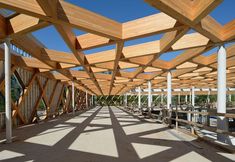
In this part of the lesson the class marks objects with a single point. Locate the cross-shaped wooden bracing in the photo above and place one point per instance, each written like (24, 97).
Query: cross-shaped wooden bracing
(116, 71)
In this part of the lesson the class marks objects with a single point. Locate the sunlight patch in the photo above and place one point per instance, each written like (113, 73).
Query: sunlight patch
(126, 123)
(192, 157)
(5, 154)
(100, 142)
(77, 119)
(51, 136)
(102, 121)
(128, 119)
(92, 128)
(133, 129)
(163, 135)
(227, 155)
(145, 150)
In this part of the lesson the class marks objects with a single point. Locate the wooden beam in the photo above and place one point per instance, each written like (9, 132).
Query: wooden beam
(192, 15)
(70, 39)
(29, 44)
(69, 15)
(38, 100)
(3, 27)
(51, 99)
(23, 24)
(59, 99)
(119, 48)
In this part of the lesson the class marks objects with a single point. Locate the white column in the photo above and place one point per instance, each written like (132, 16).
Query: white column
(92, 102)
(139, 98)
(168, 90)
(86, 100)
(178, 98)
(193, 104)
(73, 105)
(222, 122)
(208, 96)
(8, 91)
(193, 96)
(190, 96)
(186, 98)
(189, 114)
(149, 94)
(162, 98)
(229, 97)
(125, 100)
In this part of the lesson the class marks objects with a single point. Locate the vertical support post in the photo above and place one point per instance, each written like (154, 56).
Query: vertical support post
(229, 97)
(86, 100)
(73, 103)
(222, 122)
(193, 104)
(168, 90)
(186, 98)
(149, 94)
(162, 98)
(189, 114)
(190, 96)
(139, 98)
(92, 100)
(176, 117)
(8, 91)
(193, 96)
(178, 98)
(149, 97)
(208, 96)
(125, 100)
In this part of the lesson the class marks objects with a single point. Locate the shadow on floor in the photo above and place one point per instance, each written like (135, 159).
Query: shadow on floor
(106, 134)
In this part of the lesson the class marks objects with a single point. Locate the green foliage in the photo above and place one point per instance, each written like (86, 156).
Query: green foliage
(16, 92)
(16, 89)
(42, 105)
(109, 100)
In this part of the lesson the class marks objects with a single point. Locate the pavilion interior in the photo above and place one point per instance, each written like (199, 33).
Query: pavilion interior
(77, 83)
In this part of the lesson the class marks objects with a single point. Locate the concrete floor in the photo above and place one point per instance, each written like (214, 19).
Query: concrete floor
(106, 134)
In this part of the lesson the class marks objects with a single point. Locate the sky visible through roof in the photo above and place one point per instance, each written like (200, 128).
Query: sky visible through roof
(123, 11)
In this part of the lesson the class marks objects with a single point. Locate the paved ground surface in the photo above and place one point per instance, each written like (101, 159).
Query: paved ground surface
(106, 134)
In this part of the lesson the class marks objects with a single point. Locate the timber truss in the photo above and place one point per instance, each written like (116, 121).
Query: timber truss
(116, 71)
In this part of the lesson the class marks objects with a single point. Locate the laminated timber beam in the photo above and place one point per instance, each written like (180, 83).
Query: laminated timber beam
(195, 15)
(69, 37)
(129, 52)
(142, 27)
(42, 90)
(30, 45)
(15, 111)
(116, 68)
(51, 99)
(68, 15)
(165, 44)
(175, 20)
(18, 25)
(190, 55)
(3, 27)
(60, 99)
(50, 9)
(22, 24)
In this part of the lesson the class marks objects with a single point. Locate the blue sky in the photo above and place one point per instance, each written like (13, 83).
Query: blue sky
(122, 11)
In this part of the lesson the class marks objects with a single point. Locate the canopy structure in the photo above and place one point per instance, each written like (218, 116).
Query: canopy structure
(185, 26)
(116, 82)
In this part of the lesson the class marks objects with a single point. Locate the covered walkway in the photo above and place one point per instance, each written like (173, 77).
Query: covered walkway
(106, 134)
(124, 80)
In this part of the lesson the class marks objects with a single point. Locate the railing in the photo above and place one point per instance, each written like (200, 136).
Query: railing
(202, 126)
(187, 115)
